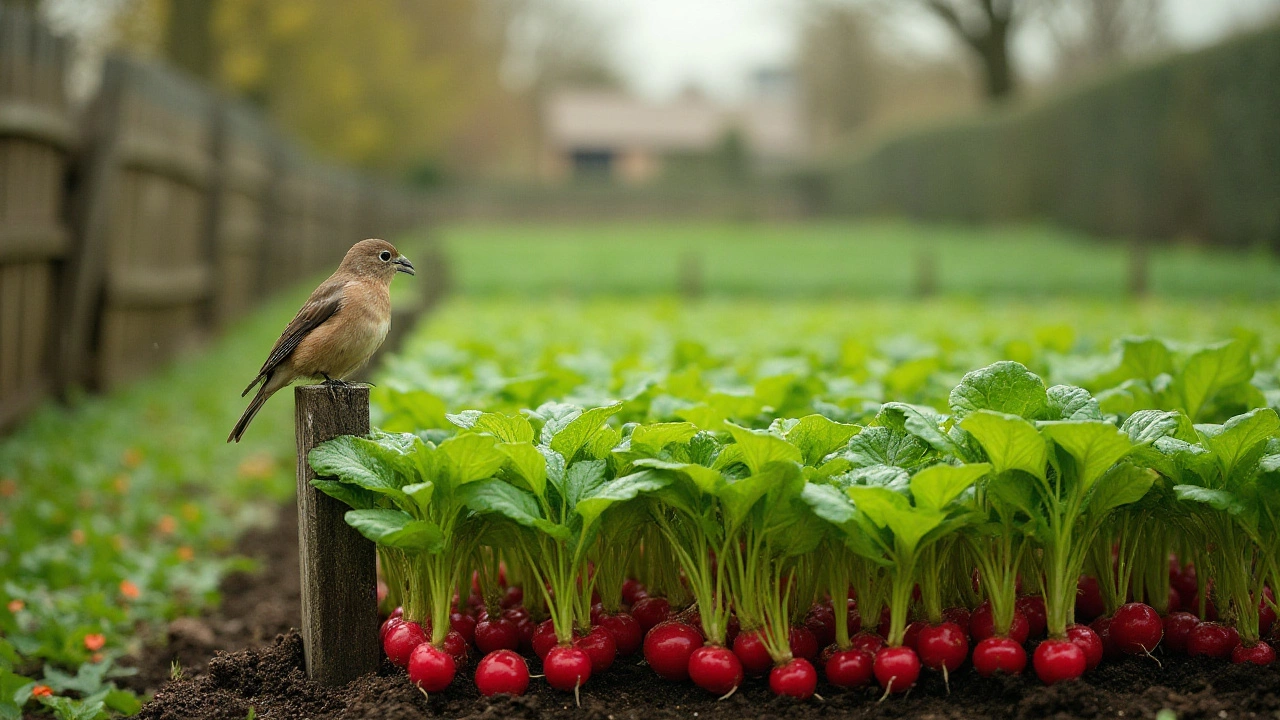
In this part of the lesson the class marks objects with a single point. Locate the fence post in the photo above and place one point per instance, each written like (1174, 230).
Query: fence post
(339, 577)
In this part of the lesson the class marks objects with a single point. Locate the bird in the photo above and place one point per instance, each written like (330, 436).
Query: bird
(337, 330)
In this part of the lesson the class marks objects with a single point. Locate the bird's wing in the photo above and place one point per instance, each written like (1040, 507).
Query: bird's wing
(323, 304)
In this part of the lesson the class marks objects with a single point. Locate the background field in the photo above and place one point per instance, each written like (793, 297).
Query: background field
(856, 259)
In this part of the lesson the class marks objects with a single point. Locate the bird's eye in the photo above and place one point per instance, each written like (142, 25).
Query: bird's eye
(384, 256)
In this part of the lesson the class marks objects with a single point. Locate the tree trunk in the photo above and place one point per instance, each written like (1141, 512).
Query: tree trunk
(993, 50)
(189, 41)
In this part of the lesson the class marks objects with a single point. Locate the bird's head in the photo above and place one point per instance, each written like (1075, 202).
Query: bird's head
(376, 258)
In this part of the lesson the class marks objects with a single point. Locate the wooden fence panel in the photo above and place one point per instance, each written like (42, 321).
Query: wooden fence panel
(241, 200)
(143, 274)
(36, 136)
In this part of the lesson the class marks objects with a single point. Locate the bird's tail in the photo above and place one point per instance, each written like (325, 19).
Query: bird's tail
(254, 406)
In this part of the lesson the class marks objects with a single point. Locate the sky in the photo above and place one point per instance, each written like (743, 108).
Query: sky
(663, 46)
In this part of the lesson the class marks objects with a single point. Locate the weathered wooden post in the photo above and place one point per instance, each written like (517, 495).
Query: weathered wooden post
(339, 575)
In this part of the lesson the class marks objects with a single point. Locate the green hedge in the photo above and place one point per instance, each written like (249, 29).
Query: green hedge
(1189, 146)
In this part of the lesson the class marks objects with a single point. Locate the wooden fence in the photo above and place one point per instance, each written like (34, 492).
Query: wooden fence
(139, 226)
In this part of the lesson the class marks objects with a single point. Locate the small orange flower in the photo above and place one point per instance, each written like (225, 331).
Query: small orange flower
(120, 483)
(131, 458)
(166, 525)
(8, 487)
(77, 537)
(16, 605)
(129, 590)
(40, 691)
(186, 554)
(94, 642)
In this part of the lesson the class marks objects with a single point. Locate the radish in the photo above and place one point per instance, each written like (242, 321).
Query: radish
(1136, 629)
(999, 654)
(526, 629)
(502, 671)
(1177, 628)
(401, 641)
(1259, 653)
(716, 669)
(1058, 660)
(958, 615)
(1032, 608)
(431, 668)
(516, 614)
(668, 647)
(512, 597)
(795, 678)
(456, 646)
(912, 633)
(821, 621)
(1089, 604)
(982, 624)
(650, 611)
(1102, 628)
(849, 668)
(1089, 642)
(1266, 613)
(387, 624)
(567, 668)
(600, 647)
(626, 632)
(750, 649)
(868, 641)
(897, 668)
(942, 646)
(632, 591)
(464, 625)
(1212, 639)
(493, 634)
(803, 643)
(544, 638)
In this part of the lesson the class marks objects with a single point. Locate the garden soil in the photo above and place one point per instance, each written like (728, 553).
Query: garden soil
(246, 658)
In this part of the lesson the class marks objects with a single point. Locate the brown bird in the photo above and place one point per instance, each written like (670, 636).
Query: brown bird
(339, 328)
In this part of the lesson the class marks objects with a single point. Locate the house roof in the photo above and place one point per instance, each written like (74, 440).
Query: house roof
(592, 119)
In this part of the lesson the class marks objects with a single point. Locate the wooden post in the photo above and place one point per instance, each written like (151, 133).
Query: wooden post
(339, 576)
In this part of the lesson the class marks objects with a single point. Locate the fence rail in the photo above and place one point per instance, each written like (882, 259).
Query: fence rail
(139, 226)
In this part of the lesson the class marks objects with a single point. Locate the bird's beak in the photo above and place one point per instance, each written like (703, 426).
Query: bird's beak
(403, 265)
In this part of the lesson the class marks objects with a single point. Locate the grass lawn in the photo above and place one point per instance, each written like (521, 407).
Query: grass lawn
(868, 259)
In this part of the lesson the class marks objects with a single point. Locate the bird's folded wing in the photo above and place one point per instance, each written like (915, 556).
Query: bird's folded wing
(323, 304)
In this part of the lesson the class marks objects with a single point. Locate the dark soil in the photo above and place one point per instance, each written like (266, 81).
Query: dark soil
(271, 680)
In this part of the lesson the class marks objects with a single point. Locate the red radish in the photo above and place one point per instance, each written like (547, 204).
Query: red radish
(943, 645)
(796, 679)
(897, 668)
(821, 621)
(502, 671)
(1058, 660)
(868, 641)
(731, 632)
(668, 647)
(982, 624)
(544, 638)
(958, 615)
(1089, 604)
(431, 668)
(716, 669)
(513, 597)
(399, 611)
(493, 635)
(401, 641)
(566, 667)
(1187, 583)
(1177, 629)
(883, 627)
(849, 668)
(1136, 628)
(1032, 608)
(631, 591)
(600, 647)
(464, 625)
(999, 654)
(1175, 599)
(456, 646)
(1089, 642)
(516, 614)
(855, 619)
(1102, 628)
(1266, 614)
(597, 611)
(1258, 654)
(526, 629)
(913, 633)
(626, 632)
(803, 643)
(692, 618)
(650, 611)
(1212, 639)
(750, 649)
(387, 624)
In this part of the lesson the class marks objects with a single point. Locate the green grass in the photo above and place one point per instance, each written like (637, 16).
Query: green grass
(831, 259)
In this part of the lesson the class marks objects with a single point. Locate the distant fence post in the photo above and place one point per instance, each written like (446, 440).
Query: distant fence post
(339, 574)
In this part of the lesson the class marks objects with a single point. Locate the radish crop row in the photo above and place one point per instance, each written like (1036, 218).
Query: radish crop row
(918, 542)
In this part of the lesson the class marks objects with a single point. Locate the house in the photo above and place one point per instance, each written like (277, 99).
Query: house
(612, 135)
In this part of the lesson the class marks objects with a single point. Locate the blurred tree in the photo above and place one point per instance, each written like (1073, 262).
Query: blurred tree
(838, 68)
(1093, 34)
(986, 28)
